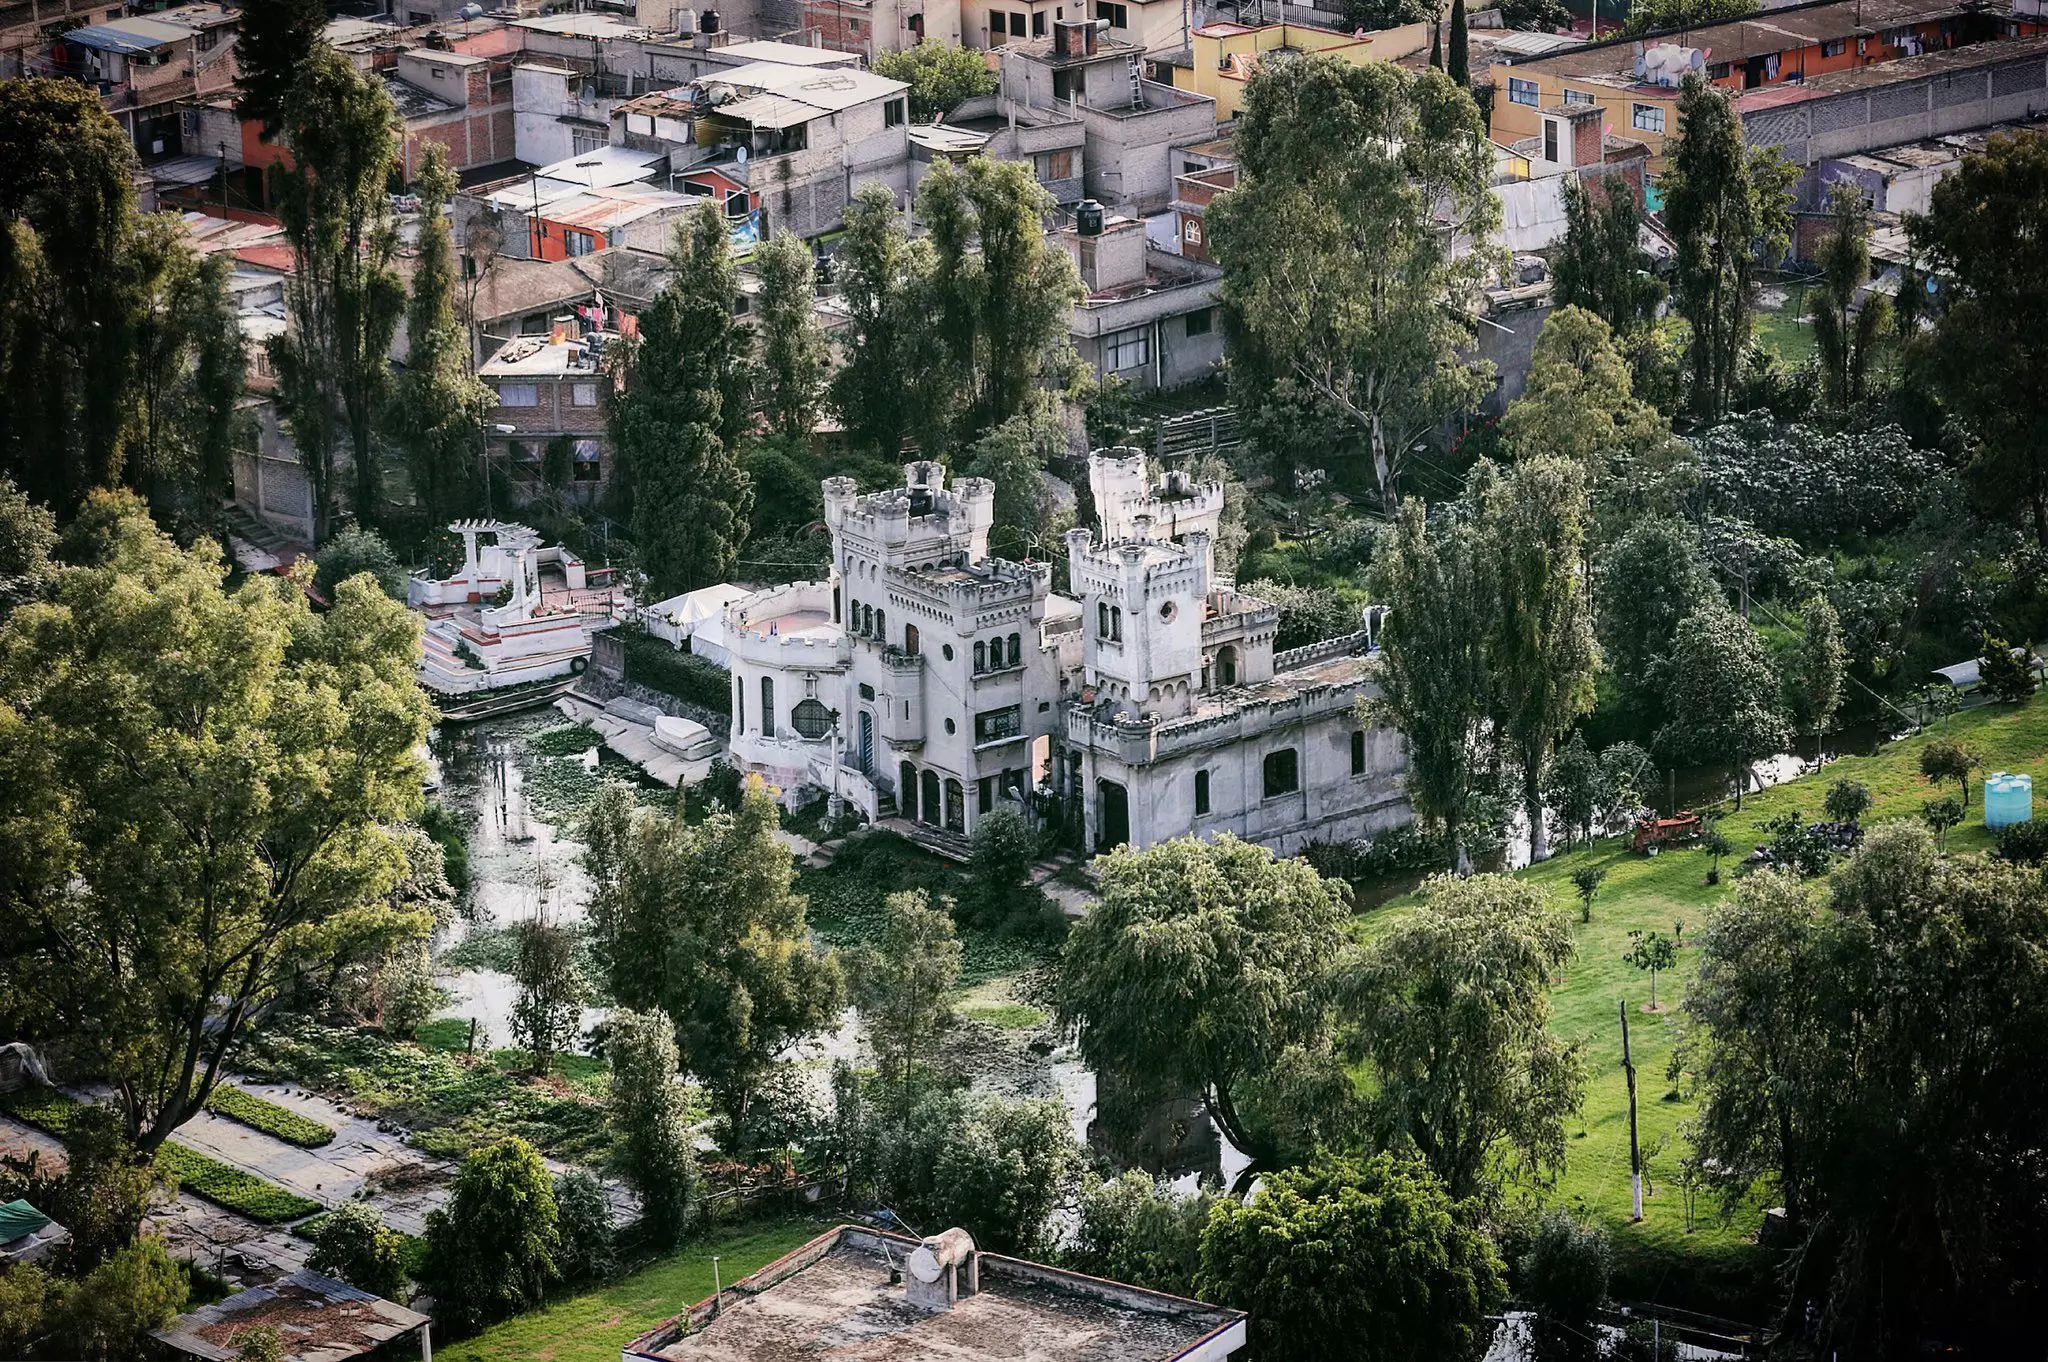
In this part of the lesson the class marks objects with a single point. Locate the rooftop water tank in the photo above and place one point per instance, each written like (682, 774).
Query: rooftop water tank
(1088, 218)
(2008, 799)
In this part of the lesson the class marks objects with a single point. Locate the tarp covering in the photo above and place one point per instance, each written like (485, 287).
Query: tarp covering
(18, 1220)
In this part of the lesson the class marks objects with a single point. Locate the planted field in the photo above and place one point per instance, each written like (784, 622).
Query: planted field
(268, 1117)
(223, 1184)
(1655, 894)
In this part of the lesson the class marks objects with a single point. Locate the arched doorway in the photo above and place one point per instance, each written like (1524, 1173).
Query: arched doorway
(1112, 815)
(866, 749)
(1226, 666)
(956, 807)
(906, 789)
(928, 803)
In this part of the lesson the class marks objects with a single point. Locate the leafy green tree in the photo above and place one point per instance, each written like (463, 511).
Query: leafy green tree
(1947, 759)
(2006, 677)
(1722, 695)
(1564, 1277)
(1451, 1013)
(278, 40)
(184, 875)
(106, 1189)
(191, 361)
(353, 1246)
(1200, 966)
(941, 77)
(1536, 16)
(1940, 815)
(1571, 788)
(1658, 16)
(1715, 843)
(997, 1169)
(1654, 953)
(1600, 264)
(880, 391)
(903, 984)
(1586, 881)
(650, 1122)
(1458, 54)
(1336, 247)
(1358, 1260)
(686, 400)
(28, 535)
(999, 891)
(1133, 1229)
(584, 1218)
(549, 1008)
(356, 550)
(1727, 206)
(1579, 403)
(1814, 679)
(710, 932)
(344, 297)
(69, 289)
(1847, 801)
(1644, 584)
(1000, 295)
(1308, 614)
(1438, 576)
(1976, 236)
(110, 1313)
(1846, 336)
(29, 1298)
(491, 1250)
(794, 351)
(1542, 653)
(1014, 456)
(438, 410)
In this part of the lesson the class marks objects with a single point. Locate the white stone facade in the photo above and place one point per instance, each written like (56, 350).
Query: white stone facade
(929, 680)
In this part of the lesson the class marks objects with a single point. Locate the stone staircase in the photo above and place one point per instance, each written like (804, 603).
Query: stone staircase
(259, 534)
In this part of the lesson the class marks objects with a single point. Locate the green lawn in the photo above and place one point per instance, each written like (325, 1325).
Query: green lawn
(1787, 332)
(1653, 893)
(593, 1327)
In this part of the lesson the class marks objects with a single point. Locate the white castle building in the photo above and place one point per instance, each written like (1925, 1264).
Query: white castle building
(929, 681)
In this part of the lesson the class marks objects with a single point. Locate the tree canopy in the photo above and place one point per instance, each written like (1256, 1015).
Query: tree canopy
(941, 76)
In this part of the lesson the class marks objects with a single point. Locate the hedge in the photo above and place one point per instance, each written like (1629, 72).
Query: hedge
(225, 1185)
(686, 676)
(268, 1117)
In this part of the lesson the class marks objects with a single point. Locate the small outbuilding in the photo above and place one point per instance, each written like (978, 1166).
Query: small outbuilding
(318, 1319)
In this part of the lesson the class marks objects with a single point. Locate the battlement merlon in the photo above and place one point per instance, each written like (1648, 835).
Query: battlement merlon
(922, 517)
(1131, 507)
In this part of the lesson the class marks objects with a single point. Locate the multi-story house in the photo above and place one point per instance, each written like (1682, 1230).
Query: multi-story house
(547, 429)
(149, 70)
(1053, 144)
(1149, 316)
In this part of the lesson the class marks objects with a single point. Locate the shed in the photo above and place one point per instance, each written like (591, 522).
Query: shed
(1967, 676)
(317, 1318)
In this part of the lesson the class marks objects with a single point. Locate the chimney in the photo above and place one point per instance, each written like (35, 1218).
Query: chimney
(941, 1271)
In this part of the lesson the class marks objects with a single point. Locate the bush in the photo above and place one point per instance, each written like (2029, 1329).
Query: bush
(112, 1311)
(1392, 852)
(584, 1214)
(353, 551)
(650, 1126)
(491, 1250)
(2006, 677)
(999, 892)
(2025, 842)
(653, 663)
(268, 1117)
(1308, 614)
(1135, 1230)
(353, 1246)
(1563, 1277)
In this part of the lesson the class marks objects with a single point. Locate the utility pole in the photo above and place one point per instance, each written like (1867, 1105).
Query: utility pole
(1635, 1156)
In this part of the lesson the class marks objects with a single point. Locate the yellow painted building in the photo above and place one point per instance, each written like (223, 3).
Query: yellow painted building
(1225, 54)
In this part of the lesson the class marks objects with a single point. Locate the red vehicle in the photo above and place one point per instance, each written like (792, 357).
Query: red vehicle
(1652, 833)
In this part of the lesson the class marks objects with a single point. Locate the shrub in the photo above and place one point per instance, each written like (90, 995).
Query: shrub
(1563, 1277)
(2006, 677)
(111, 1312)
(268, 1117)
(491, 1250)
(1847, 801)
(649, 1123)
(353, 1246)
(687, 677)
(353, 551)
(1308, 614)
(999, 891)
(584, 1214)
(1135, 1230)
(2025, 842)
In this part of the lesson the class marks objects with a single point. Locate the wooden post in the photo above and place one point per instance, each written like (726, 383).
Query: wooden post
(1635, 1157)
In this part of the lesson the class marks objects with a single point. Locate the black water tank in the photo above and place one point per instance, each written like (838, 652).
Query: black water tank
(708, 22)
(1088, 218)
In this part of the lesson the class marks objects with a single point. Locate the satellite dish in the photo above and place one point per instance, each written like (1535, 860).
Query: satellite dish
(924, 1266)
(739, 155)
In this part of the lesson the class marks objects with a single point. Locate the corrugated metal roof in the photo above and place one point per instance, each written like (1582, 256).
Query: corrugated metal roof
(604, 167)
(128, 37)
(769, 111)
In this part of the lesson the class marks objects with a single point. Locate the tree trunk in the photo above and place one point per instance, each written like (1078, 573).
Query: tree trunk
(1539, 832)
(1741, 784)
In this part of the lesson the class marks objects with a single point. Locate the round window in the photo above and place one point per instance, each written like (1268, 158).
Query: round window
(1167, 611)
(947, 649)
(811, 719)
(949, 725)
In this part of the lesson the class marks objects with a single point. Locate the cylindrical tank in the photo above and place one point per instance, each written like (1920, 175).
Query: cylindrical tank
(708, 21)
(686, 22)
(2008, 799)
(1088, 218)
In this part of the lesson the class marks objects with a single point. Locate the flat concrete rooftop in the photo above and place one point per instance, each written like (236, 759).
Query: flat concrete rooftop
(832, 1299)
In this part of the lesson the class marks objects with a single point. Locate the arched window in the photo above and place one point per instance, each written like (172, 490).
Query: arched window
(1016, 651)
(882, 625)
(767, 706)
(1102, 619)
(910, 639)
(1116, 624)
(1226, 667)
(981, 657)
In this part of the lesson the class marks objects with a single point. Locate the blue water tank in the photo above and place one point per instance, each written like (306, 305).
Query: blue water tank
(2008, 799)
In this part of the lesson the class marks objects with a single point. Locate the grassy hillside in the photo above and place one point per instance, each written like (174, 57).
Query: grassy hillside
(1661, 1260)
